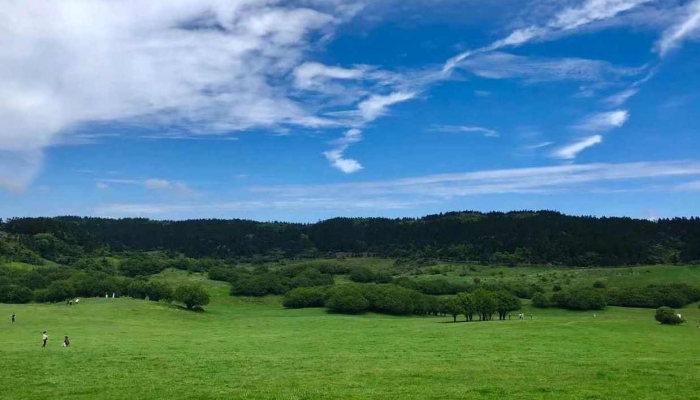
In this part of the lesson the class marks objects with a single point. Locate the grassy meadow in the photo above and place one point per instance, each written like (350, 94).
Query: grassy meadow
(246, 348)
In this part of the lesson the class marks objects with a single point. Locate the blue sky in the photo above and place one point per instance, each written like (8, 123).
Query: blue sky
(305, 110)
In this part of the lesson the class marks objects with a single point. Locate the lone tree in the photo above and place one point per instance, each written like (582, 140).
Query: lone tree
(668, 316)
(506, 302)
(192, 295)
(453, 308)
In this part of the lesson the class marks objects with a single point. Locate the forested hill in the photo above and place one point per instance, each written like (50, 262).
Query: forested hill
(505, 238)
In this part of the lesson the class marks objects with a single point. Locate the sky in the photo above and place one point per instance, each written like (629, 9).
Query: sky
(311, 109)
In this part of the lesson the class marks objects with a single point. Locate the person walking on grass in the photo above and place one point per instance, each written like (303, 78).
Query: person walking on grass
(13, 317)
(66, 342)
(44, 338)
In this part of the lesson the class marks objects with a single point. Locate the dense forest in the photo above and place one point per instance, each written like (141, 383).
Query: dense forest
(525, 237)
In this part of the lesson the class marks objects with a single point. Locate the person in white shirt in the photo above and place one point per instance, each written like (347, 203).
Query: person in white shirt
(44, 338)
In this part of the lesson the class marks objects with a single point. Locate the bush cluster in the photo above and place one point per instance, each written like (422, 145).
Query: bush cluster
(262, 281)
(580, 299)
(654, 296)
(668, 316)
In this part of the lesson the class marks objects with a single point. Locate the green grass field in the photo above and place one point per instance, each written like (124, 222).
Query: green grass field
(254, 349)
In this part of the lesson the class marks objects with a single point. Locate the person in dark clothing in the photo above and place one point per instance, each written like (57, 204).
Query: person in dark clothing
(66, 342)
(13, 318)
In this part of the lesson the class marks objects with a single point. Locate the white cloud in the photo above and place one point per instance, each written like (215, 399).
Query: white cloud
(688, 186)
(158, 184)
(151, 184)
(620, 98)
(336, 155)
(207, 66)
(215, 209)
(567, 19)
(311, 74)
(19, 168)
(603, 121)
(572, 177)
(569, 152)
(687, 26)
(101, 185)
(538, 145)
(465, 129)
(498, 65)
(376, 105)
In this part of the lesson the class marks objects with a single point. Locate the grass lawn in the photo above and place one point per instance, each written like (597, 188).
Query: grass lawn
(254, 349)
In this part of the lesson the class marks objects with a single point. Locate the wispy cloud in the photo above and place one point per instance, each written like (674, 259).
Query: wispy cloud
(465, 129)
(538, 145)
(687, 26)
(570, 151)
(150, 183)
(498, 65)
(336, 155)
(620, 98)
(331, 204)
(568, 19)
(376, 105)
(572, 177)
(603, 121)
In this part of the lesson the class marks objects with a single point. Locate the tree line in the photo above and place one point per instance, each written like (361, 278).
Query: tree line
(52, 284)
(536, 237)
(396, 300)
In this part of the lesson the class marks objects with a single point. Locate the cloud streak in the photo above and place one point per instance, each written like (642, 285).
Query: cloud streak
(521, 180)
(565, 20)
(465, 129)
(498, 65)
(603, 121)
(676, 34)
(570, 151)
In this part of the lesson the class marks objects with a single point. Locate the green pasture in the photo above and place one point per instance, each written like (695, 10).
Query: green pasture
(241, 348)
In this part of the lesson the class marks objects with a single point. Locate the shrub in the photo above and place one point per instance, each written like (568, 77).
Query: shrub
(59, 291)
(156, 291)
(347, 299)
(192, 295)
(477, 281)
(136, 290)
(220, 274)
(582, 299)
(654, 296)
(540, 300)
(15, 294)
(599, 285)
(361, 275)
(668, 316)
(556, 287)
(305, 297)
(393, 299)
